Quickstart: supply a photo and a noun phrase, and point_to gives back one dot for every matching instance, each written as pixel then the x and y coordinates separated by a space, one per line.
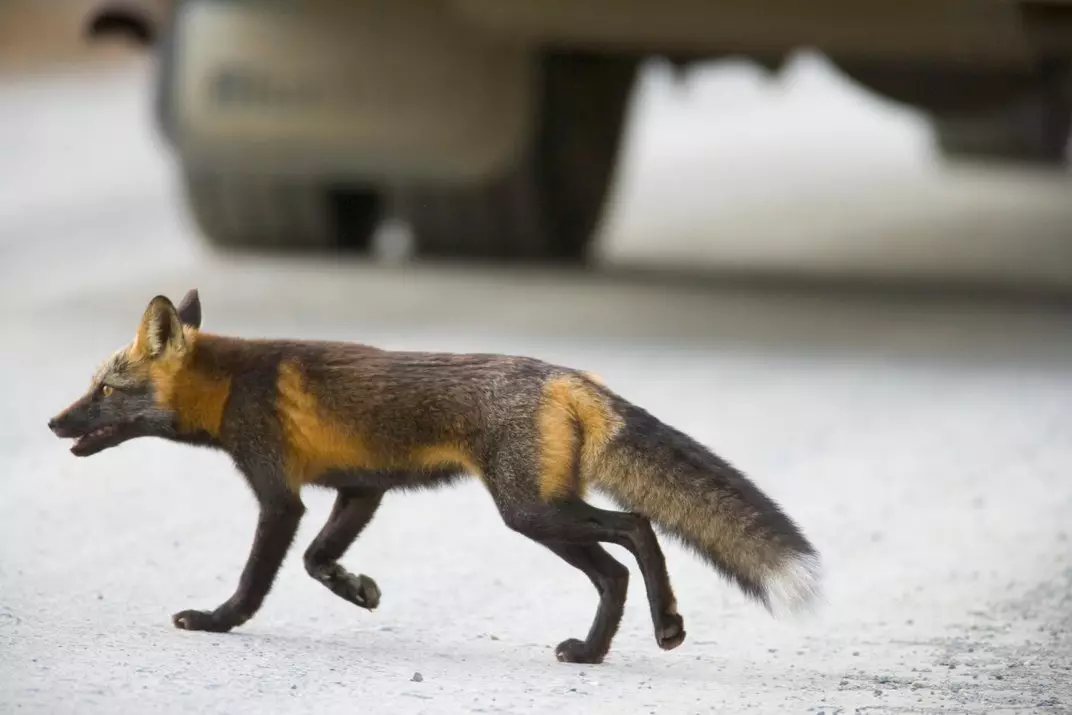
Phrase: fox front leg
pixel 281 511
pixel 352 512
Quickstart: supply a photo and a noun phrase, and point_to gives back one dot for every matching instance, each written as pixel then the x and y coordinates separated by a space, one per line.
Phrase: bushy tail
pixel 680 485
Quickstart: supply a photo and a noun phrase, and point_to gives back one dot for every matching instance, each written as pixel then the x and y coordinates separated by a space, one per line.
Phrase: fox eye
pixel 107 390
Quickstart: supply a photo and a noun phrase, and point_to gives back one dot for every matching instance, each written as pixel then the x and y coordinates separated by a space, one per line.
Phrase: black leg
pixel 611 580
pixel 280 513
pixel 634 532
pixel 352 512
pixel 577 523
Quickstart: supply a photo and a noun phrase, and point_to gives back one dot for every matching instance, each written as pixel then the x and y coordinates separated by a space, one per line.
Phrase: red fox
pixel 362 420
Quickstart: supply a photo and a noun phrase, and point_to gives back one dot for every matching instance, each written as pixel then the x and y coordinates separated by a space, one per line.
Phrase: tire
pixel 1032 130
pixel 546 208
pixel 251 213
pixel 1010 115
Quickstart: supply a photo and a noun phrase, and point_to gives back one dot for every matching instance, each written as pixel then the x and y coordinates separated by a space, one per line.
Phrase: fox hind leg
pixel 634 532
pixel 611 580
pixel 351 513
pixel 573 529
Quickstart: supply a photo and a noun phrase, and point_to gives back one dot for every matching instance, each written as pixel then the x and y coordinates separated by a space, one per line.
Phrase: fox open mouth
pixel 101 438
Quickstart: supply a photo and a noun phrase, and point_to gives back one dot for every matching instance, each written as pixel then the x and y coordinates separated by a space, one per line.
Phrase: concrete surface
pixel 922 444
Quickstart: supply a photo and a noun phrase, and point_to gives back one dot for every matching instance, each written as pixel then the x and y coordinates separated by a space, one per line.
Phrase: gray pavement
pixel 921 443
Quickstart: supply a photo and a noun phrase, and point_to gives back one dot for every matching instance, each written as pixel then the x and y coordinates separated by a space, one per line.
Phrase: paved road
pixel 921 443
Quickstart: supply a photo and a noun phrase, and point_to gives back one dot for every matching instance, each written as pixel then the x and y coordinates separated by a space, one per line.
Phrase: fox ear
pixel 160 329
pixel 190 309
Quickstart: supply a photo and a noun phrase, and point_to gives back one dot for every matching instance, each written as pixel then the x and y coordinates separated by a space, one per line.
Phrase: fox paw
pixel 362 591
pixel 200 621
pixel 359 589
pixel 670 633
pixel 576 651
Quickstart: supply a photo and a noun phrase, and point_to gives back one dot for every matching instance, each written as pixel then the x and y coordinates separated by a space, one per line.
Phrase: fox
pixel 362 421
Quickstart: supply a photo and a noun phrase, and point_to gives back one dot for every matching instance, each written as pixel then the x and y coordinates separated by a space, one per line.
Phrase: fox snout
pixel 68 423
pixel 57 426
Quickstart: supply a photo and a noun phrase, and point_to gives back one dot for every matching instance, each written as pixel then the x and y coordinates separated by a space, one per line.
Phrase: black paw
pixel 359 590
pixel 200 621
pixel 576 651
pixel 671 631
pixel 362 591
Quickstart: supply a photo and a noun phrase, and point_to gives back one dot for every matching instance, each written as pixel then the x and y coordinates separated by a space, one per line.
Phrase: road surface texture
pixel 922 442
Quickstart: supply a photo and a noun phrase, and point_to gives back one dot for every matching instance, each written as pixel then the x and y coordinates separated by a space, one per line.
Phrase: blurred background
pixel 833 244
pixel 930 152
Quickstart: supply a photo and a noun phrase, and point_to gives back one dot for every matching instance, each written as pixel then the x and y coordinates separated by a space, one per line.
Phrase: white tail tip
pixel 795 588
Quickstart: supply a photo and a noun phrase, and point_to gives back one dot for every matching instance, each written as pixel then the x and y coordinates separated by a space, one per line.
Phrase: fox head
pixel 129 396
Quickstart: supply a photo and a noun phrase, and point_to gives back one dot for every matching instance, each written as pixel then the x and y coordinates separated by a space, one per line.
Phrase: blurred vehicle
pixel 492 127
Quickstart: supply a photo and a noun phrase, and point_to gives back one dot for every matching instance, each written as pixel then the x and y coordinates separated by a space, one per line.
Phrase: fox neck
pixel 196 392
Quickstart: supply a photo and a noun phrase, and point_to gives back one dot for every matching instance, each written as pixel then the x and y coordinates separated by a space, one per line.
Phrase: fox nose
pixel 56 425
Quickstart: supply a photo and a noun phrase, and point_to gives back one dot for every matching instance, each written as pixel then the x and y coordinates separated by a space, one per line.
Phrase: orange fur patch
pixel 444 455
pixel 317 442
pixel 314 443
pixel 197 398
pixel 567 402
pixel 558 437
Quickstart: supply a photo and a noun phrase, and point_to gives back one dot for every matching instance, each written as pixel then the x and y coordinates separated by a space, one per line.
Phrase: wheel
pixel 1033 129
pixel 1019 115
pixel 547 207
pixel 254 213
